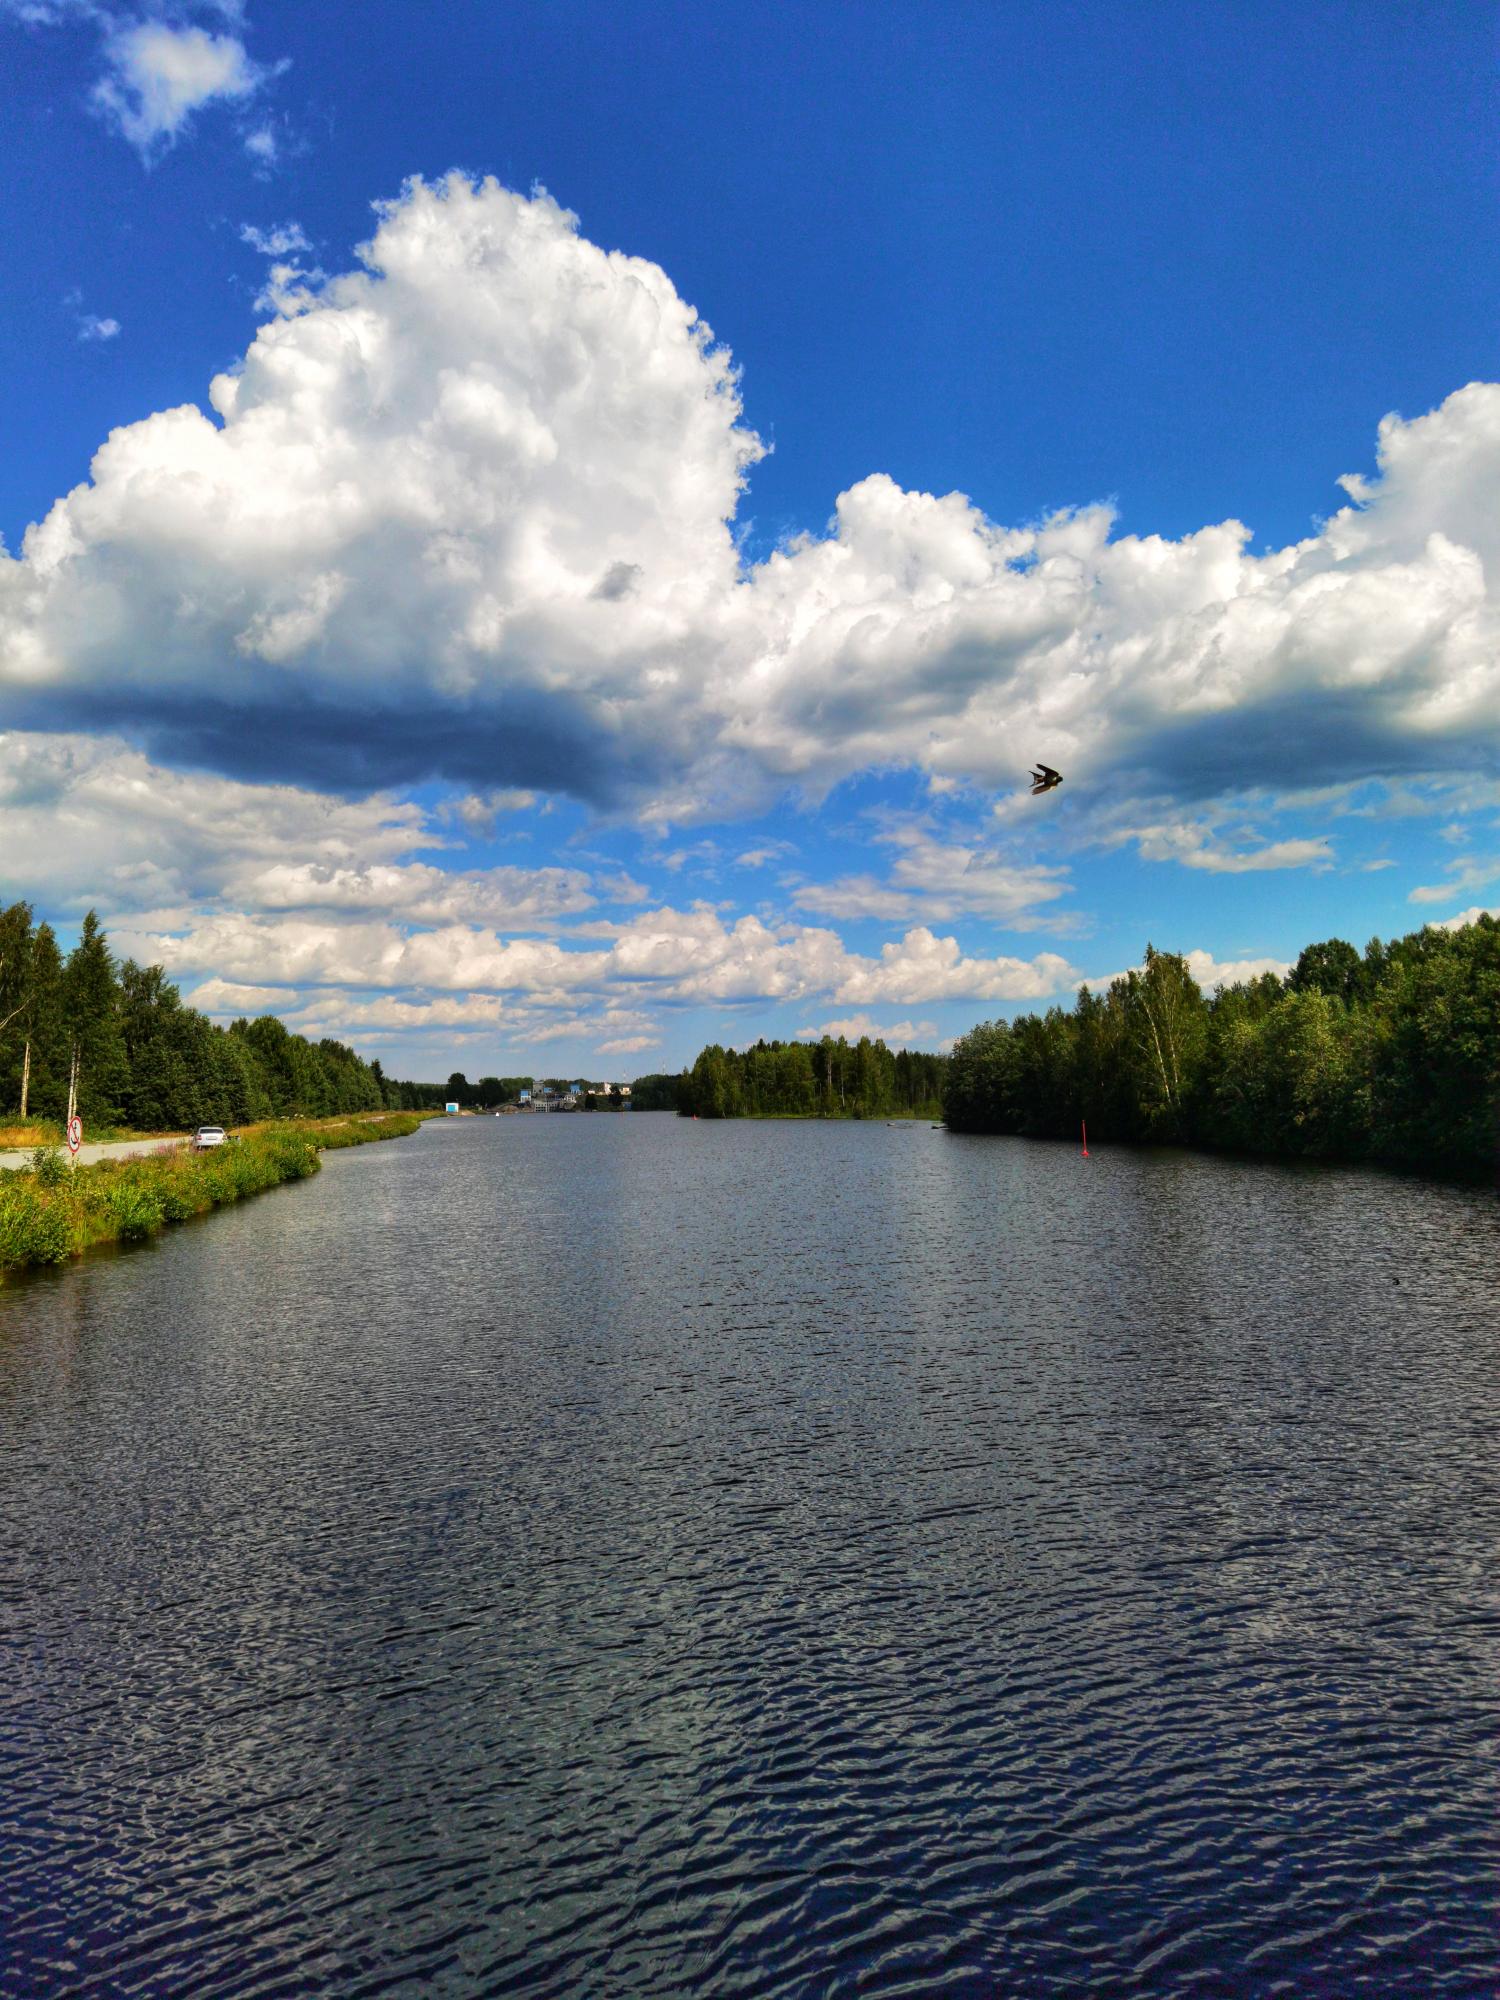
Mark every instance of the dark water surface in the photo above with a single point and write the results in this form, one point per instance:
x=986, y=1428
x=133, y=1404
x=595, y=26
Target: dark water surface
x=614, y=1557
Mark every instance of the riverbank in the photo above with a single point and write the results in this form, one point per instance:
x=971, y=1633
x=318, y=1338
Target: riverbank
x=92, y=1151
x=929, y=1114
x=50, y=1212
x=50, y=1132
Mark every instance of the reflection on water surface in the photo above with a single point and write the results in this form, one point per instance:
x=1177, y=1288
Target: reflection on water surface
x=625, y=1557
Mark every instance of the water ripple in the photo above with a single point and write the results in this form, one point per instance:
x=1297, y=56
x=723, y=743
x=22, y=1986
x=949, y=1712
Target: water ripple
x=608, y=1556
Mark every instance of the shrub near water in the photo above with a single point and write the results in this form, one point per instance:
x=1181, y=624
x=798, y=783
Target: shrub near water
x=35, y=1224
x=49, y=1212
x=136, y=1209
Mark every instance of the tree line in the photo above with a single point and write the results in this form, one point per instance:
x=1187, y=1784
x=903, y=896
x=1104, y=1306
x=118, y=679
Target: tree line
x=113, y=1040
x=824, y=1079
x=485, y=1095
x=656, y=1092
x=1392, y=1055
x=491, y=1092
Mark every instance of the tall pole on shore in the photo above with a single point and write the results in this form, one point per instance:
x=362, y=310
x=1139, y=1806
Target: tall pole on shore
x=72, y=1105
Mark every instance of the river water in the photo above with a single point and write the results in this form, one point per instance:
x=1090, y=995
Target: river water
x=620, y=1556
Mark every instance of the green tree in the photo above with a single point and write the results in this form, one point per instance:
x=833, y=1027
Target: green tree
x=168, y=1053
x=1167, y=1022
x=15, y=992
x=1334, y=968
x=1394, y=1056
x=977, y=1095
x=1436, y=1049
x=656, y=1092
x=90, y=1006
x=43, y=1084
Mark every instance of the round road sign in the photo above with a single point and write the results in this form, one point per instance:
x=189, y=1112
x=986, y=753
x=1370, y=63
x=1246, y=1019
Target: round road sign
x=75, y=1134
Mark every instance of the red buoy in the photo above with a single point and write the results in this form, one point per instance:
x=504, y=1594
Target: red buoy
x=1085, y=1123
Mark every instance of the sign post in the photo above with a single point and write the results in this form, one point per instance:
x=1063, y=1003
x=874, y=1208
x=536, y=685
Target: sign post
x=75, y=1138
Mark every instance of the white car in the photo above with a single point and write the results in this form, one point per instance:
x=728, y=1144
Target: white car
x=209, y=1135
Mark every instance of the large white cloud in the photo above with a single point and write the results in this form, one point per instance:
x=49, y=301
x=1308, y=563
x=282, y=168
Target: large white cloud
x=923, y=967
x=469, y=509
x=683, y=957
x=277, y=898
x=89, y=820
x=419, y=892
x=466, y=510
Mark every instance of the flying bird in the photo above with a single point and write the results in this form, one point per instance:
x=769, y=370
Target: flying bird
x=1043, y=778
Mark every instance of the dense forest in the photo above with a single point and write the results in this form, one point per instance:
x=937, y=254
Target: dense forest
x=657, y=1092
x=1390, y=1055
x=114, y=1039
x=826, y=1079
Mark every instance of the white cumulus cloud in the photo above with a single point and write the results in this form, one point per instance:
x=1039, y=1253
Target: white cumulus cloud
x=898, y=1034
x=1473, y=871
x=157, y=75
x=470, y=509
x=922, y=967
x=1211, y=972
x=90, y=820
x=1193, y=846
x=938, y=880
x=664, y=955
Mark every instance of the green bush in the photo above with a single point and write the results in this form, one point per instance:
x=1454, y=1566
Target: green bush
x=48, y=1212
x=294, y=1156
x=180, y=1196
x=137, y=1209
x=35, y=1226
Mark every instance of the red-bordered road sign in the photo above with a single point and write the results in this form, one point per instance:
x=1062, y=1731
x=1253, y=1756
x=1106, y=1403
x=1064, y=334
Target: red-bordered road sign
x=75, y=1134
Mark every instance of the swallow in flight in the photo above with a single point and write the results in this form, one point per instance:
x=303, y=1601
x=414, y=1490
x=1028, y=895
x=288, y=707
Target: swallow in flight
x=1043, y=778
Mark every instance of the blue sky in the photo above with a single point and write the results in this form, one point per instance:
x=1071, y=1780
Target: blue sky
x=496, y=671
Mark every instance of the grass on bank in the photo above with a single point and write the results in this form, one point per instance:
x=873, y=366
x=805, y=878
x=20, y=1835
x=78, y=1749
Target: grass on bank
x=51, y=1211
x=15, y=1138
x=50, y=1132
